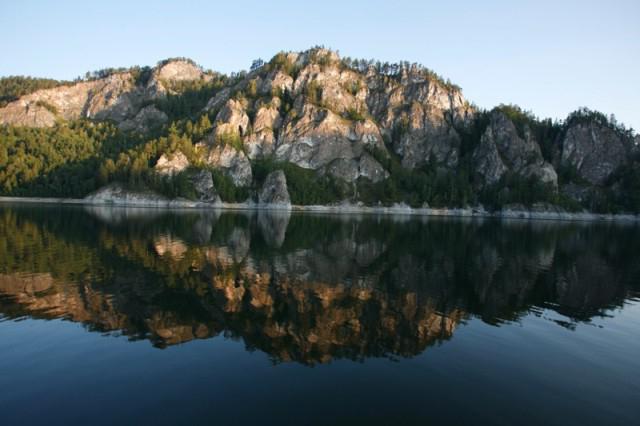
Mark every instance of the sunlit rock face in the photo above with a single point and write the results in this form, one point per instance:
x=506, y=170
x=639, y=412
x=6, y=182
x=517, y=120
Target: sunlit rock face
x=328, y=116
x=370, y=287
x=117, y=97
x=171, y=164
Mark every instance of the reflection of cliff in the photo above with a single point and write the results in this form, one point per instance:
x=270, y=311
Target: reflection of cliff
x=303, y=288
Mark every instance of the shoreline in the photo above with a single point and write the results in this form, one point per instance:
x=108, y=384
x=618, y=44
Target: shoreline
x=333, y=209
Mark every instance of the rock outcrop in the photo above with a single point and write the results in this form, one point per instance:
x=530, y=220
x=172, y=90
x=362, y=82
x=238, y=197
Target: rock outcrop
x=331, y=114
x=173, y=71
x=117, y=97
x=202, y=181
x=231, y=161
x=594, y=151
x=171, y=164
x=341, y=118
x=274, y=190
x=502, y=150
x=116, y=194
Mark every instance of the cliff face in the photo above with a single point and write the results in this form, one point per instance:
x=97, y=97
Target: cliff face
x=594, y=151
x=341, y=118
x=502, y=150
x=329, y=117
x=117, y=97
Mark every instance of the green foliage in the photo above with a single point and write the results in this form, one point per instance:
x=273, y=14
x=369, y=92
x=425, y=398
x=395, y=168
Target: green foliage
x=546, y=132
x=141, y=75
x=46, y=105
x=628, y=197
x=176, y=59
x=471, y=133
x=231, y=138
x=178, y=185
x=426, y=184
x=313, y=92
x=513, y=189
x=227, y=190
x=72, y=159
x=354, y=114
x=400, y=129
x=189, y=97
x=281, y=63
x=569, y=174
x=59, y=161
x=586, y=116
x=252, y=89
x=397, y=70
x=13, y=87
x=286, y=102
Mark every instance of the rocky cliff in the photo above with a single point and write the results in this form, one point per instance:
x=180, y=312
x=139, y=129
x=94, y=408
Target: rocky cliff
x=351, y=121
x=120, y=97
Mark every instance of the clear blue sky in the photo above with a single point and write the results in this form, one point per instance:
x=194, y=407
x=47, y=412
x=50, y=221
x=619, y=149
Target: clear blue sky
x=549, y=56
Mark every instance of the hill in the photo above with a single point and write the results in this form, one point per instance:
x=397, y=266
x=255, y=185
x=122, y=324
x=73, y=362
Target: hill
x=339, y=129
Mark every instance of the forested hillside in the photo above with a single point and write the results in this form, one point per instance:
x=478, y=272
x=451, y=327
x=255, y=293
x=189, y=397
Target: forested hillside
x=340, y=129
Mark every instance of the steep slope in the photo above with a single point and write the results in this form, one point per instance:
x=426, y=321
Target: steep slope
x=338, y=128
x=119, y=97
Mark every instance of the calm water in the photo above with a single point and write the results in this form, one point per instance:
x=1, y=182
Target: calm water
x=130, y=316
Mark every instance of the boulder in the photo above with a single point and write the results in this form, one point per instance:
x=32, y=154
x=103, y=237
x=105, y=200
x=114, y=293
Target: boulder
x=274, y=190
x=203, y=184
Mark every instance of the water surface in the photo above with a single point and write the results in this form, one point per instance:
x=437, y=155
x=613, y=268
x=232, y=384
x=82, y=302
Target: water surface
x=145, y=316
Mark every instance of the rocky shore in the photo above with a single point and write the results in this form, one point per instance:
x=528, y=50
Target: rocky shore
x=141, y=200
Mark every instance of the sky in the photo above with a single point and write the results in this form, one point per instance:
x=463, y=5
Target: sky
x=548, y=56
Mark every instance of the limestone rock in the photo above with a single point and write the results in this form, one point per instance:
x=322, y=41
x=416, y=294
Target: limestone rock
x=321, y=137
x=594, y=151
x=146, y=119
x=261, y=142
x=502, y=150
x=203, y=184
x=112, y=98
x=171, y=164
x=350, y=170
x=232, y=119
x=116, y=194
x=232, y=162
x=274, y=190
x=170, y=72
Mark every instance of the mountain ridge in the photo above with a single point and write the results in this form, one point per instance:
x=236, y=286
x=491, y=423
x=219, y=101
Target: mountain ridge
x=352, y=129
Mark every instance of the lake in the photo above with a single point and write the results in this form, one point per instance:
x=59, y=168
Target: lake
x=131, y=316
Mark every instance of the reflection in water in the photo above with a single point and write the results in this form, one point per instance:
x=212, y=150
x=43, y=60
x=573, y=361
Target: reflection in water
x=305, y=288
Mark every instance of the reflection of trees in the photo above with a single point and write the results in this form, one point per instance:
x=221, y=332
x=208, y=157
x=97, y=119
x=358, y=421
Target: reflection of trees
x=304, y=288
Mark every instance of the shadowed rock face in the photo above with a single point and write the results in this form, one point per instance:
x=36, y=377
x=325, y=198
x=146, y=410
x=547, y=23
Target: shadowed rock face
x=594, y=151
x=274, y=189
x=304, y=288
x=502, y=150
